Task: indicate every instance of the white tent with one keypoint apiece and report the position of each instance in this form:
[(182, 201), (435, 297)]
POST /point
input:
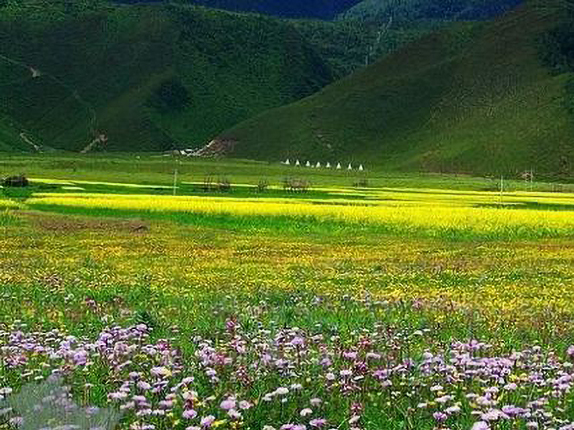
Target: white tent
[(318, 165), (350, 167), (297, 163), (288, 162), (308, 164), (361, 168), (339, 166), (328, 165)]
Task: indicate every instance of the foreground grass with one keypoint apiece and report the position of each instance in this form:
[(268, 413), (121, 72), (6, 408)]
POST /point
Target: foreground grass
[(246, 314)]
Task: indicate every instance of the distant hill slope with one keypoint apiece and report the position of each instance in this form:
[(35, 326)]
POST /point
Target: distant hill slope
[(322, 9), (409, 10), (490, 97), (82, 75)]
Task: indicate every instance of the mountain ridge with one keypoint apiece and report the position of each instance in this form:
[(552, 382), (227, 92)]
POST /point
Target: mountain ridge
[(146, 77), (477, 99)]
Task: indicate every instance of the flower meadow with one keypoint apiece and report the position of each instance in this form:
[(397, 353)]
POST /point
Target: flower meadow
[(268, 377), (344, 308)]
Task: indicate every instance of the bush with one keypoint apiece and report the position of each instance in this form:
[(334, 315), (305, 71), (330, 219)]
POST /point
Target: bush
[(296, 185), (16, 182)]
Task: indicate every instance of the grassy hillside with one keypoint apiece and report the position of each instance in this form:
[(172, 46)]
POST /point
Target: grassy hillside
[(481, 98), (147, 77), (323, 9), (348, 45), (409, 10)]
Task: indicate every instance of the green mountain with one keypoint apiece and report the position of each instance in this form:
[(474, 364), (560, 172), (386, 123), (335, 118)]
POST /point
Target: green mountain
[(489, 97), (318, 9), (414, 10), (85, 75)]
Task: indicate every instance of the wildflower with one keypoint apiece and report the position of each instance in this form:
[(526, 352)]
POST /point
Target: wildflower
[(245, 405), (330, 376), (440, 416), (318, 422), (162, 372), (315, 402), (298, 341), (453, 410), (305, 412), (480, 425), (234, 415), (354, 419), (228, 404), (142, 385), (189, 414), (207, 421)]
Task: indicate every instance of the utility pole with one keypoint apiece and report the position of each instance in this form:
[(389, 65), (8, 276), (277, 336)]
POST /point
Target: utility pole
[(502, 189), (175, 173)]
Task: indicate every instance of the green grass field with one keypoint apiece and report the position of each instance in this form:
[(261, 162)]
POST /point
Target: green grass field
[(415, 302)]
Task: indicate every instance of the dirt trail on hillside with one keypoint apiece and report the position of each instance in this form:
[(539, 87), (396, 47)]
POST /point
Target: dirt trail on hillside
[(37, 73), (29, 142)]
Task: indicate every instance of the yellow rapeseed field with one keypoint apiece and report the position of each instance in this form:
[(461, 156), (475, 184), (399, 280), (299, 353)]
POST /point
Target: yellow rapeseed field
[(427, 214)]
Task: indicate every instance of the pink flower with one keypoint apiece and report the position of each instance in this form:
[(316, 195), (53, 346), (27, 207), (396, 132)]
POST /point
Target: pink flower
[(228, 404), (189, 414), (142, 385), (318, 422), (207, 421)]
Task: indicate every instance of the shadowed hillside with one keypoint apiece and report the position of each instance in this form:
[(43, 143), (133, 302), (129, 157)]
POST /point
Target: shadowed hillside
[(84, 75), (480, 98), (323, 9), (409, 10)]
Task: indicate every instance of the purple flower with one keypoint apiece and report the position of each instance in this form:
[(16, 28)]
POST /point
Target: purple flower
[(228, 404), (318, 422), (440, 416), (189, 414), (207, 421), (298, 341), (142, 385)]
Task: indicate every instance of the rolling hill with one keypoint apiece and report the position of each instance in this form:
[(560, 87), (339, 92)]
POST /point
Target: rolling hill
[(416, 10), (318, 9), (90, 76), (488, 98)]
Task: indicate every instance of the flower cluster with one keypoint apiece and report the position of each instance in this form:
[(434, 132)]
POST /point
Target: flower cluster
[(294, 379)]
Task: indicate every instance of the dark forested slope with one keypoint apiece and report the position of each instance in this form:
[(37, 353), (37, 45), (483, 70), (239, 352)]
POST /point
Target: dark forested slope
[(146, 77)]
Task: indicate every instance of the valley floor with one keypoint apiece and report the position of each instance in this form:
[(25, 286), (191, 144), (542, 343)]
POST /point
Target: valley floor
[(408, 302)]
